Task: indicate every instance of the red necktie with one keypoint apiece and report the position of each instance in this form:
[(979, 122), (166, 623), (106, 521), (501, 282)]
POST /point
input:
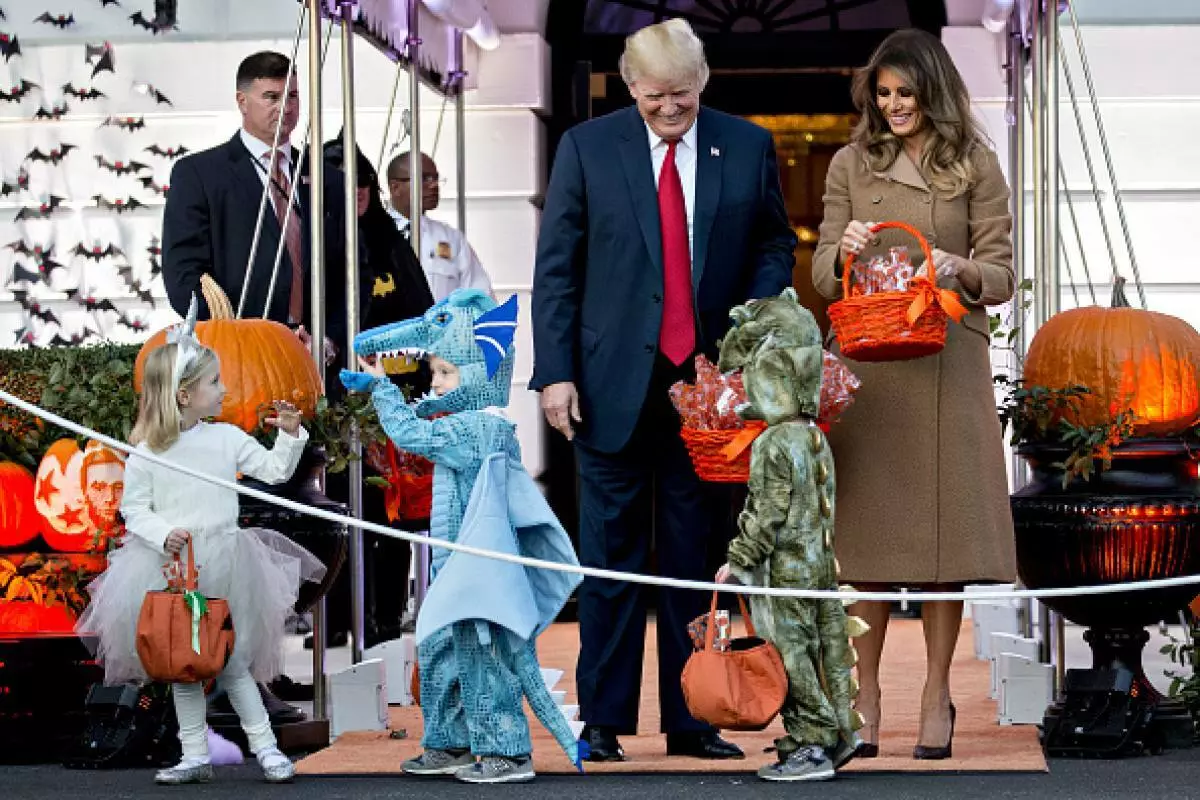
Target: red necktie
[(677, 338), (281, 188)]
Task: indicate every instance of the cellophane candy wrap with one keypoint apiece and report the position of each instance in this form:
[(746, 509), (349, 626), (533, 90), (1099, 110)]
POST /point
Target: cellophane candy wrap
[(711, 403), (884, 273)]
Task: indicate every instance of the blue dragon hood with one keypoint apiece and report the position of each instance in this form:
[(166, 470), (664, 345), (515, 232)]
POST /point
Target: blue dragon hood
[(468, 329)]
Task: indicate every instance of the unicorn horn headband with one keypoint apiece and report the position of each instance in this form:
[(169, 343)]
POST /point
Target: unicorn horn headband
[(187, 347)]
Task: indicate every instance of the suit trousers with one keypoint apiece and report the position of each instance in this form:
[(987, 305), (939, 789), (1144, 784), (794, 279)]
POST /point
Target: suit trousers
[(645, 495)]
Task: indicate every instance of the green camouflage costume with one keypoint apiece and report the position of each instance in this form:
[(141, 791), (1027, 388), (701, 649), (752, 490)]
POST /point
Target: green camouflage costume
[(785, 535)]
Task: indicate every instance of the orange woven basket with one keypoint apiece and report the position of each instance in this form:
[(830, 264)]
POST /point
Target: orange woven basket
[(706, 449), (877, 327)]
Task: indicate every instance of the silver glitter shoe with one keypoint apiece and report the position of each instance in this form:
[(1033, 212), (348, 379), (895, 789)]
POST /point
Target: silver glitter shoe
[(497, 769), (185, 772), (806, 764), (276, 767), (438, 762)]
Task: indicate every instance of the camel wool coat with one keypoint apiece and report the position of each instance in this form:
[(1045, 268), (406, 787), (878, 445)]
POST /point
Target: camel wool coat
[(922, 490)]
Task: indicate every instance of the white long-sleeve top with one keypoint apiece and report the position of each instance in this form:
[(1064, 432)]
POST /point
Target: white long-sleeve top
[(159, 499)]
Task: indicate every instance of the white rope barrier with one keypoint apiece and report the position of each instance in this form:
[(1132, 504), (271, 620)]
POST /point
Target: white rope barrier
[(593, 572)]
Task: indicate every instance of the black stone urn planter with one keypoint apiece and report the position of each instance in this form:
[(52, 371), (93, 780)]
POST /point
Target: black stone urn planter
[(328, 541), (1138, 520)]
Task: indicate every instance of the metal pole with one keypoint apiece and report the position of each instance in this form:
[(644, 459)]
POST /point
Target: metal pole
[(1050, 267), (262, 203), (1112, 173), (1016, 173), (416, 181), (350, 168), (387, 123), (460, 132), (1038, 126), (316, 172)]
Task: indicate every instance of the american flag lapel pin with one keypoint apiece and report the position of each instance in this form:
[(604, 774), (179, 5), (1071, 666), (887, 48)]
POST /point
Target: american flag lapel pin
[(714, 151)]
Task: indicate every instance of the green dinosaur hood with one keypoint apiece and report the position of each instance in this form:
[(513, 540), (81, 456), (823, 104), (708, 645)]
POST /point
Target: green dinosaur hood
[(776, 344)]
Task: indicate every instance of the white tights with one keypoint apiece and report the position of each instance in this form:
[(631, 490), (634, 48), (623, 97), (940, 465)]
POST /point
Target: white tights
[(191, 708)]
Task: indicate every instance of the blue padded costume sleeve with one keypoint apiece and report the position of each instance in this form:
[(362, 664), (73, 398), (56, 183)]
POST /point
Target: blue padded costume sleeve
[(442, 441)]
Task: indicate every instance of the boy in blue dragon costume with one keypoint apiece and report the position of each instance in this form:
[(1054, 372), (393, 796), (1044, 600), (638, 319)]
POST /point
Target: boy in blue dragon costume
[(477, 628)]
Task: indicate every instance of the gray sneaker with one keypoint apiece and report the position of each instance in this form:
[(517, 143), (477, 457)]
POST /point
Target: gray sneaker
[(438, 762), (185, 772), (497, 769), (806, 764)]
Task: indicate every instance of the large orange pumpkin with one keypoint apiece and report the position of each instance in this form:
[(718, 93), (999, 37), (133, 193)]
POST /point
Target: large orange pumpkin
[(1129, 359), (19, 520), (261, 361), (59, 499)]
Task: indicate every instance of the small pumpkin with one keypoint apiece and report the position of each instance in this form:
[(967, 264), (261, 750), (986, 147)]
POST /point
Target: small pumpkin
[(19, 520), (1129, 360), (261, 361)]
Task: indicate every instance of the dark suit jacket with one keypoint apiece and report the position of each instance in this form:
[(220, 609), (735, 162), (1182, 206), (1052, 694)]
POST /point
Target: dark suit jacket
[(598, 282), (208, 226)]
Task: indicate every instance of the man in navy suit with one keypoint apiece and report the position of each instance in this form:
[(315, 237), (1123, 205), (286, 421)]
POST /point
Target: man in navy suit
[(658, 219), (209, 219)]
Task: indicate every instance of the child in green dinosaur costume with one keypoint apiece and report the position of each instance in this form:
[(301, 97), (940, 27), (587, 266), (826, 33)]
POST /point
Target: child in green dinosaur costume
[(785, 535)]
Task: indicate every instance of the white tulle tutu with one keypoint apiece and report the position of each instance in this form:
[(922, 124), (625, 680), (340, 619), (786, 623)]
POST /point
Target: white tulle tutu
[(257, 571)]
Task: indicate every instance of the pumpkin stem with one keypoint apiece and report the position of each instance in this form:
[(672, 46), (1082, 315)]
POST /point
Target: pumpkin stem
[(219, 306), (1118, 293)]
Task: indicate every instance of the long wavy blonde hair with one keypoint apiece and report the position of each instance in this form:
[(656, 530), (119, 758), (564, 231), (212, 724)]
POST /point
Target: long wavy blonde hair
[(953, 135), (159, 416)]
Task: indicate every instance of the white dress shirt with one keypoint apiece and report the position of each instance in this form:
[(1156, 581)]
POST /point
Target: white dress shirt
[(260, 151), (685, 162), (447, 259)]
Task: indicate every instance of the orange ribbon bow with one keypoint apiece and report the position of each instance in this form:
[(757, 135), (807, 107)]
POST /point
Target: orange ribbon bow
[(930, 294)]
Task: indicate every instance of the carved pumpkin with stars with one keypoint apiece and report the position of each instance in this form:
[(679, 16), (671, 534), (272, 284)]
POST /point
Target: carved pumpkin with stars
[(58, 496)]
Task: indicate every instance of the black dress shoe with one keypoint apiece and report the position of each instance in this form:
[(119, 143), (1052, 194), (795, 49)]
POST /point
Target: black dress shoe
[(702, 745), (601, 744), (924, 753)]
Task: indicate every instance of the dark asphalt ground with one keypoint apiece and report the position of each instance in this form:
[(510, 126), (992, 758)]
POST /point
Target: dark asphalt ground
[(1172, 776)]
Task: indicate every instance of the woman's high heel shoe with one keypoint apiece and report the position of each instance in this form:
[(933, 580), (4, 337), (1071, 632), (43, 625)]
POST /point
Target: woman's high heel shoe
[(923, 753), (868, 749)]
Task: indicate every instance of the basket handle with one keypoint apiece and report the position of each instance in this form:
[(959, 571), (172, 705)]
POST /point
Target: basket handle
[(879, 226), (711, 632), (191, 578)]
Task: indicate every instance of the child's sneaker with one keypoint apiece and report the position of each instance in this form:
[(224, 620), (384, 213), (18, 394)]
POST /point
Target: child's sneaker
[(438, 762), (497, 769), (276, 767), (806, 764), (189, 770)]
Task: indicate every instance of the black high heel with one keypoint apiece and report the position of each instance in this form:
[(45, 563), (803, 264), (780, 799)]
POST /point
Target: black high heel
[(923, 753)]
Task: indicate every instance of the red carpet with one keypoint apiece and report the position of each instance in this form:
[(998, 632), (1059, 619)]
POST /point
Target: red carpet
[(980, 745)]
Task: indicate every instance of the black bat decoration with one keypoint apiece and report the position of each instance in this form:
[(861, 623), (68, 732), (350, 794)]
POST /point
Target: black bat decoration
[(143, 294), (54, 112), (55, 156), (36, 309), (120, 205), (133, 323), (9, 46), (126, 123), (155, 267), (105, 60), (40, 211), (120, 167), (25, 335), (82, 94), (7, 188), (97, 253), (139, 21), (62, 21), (107, 3), (60, 341), (18, 92), (38, 253), (150, 91), (155, 248), (148, 182), (22, 275), (92, 304), (167, 152)]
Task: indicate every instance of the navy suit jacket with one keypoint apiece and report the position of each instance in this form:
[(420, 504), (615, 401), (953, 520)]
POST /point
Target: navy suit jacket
[(598, 281), (208, 225)]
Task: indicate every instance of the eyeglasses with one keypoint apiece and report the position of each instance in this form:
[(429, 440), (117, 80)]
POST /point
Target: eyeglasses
[(428, 180)]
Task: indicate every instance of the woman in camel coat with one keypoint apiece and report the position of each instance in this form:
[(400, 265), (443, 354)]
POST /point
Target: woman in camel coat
[(922, 491)]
